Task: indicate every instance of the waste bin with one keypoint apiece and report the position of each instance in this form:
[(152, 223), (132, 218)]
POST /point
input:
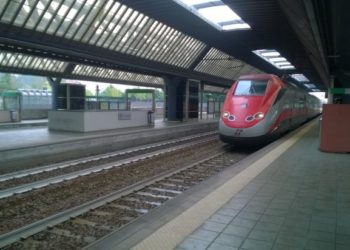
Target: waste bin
[(13, 116), (150, 117)]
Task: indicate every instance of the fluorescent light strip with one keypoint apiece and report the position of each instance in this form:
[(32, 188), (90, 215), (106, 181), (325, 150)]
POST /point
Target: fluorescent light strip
[(282, 63), (277, 59), (286, 67), (273, 57), (216, 13), (299, 77), (310, 86)]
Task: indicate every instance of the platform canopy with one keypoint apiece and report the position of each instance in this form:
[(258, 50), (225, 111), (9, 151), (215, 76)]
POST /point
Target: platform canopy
[(105, 40)]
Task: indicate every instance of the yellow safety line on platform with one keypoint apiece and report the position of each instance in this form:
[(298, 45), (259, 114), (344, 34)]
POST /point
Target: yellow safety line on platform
[(174, 232)]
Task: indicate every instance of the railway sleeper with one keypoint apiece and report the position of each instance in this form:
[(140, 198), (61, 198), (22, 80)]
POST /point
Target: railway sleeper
[(165, 190), (160, 192)]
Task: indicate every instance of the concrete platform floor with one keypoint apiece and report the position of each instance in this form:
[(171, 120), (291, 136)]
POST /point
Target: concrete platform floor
[(35, 132), (288, 195), (24, 147)]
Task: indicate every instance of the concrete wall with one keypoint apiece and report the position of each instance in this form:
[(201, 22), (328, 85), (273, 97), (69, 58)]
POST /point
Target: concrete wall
[(335, 133), (34, 114), (88, 121), (5, 116), (66, 120)]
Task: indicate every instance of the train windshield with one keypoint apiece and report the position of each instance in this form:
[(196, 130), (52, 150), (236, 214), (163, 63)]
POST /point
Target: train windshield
[(251, 87)]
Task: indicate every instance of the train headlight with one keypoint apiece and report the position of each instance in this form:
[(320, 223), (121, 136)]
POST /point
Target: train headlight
[(259, 116), (225, 114)]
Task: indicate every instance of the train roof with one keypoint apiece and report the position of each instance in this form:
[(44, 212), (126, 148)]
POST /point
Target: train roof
[(269, 76), (257, 76)]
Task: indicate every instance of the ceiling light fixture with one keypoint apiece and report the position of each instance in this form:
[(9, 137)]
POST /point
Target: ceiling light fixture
[(273, 57), (216, 13), (310, 86), (300, 77)]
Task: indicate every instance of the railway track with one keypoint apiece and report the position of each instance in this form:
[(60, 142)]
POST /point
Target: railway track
[(80, 225), (27, 180)]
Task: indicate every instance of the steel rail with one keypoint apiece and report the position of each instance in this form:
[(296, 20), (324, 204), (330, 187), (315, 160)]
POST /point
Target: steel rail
[(62, 165), (70, 176), (53, 220)]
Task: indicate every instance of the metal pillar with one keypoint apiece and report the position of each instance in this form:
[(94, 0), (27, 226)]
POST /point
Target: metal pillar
[(201, 100), (174, 98), (54, 83), (330, 95)]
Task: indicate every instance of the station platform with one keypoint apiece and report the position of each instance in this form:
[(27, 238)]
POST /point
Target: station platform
[(288, 195), (24, 124), (27, 145)]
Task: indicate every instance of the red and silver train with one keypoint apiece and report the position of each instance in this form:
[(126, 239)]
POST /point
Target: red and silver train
[(261, 107)]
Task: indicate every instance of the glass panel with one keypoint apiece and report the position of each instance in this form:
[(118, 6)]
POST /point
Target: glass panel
[(172, 52), (19, 61), (10, 11), (140, 32), (35, 10), (172, 40), (2, 6), (154, 44), (23, 13), (72, 13), (186, 50), (3, 59), (47, 17), (97, 21), (161, 42), (180, 49), (60, 17), (7, 59), (24, 61), (114, 26), (166, 44), (52, 66), (118, 31), (32, 62), (56, 66), (125, 31), (11, 61), (196, 50), (132, 33), (147, 39), (79, 18), (108, 25), (29, 62), (82, 24), (251, 87)]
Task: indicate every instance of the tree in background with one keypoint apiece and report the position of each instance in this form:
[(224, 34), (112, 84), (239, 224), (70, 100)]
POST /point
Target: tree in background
[(159, 95), (6, 82), (112, 92), (14, 82), (88, 93)]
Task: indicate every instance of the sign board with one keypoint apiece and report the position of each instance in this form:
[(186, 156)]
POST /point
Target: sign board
[(124, 116)]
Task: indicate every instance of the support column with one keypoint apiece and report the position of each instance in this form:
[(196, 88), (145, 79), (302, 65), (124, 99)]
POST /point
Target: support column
[(175, 88), (201, 89), (330, 94), (54, 86), (192, 99)]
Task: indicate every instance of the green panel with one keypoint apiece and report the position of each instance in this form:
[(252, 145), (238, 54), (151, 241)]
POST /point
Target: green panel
[(339, 91), (9, 93), (139, 91)]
